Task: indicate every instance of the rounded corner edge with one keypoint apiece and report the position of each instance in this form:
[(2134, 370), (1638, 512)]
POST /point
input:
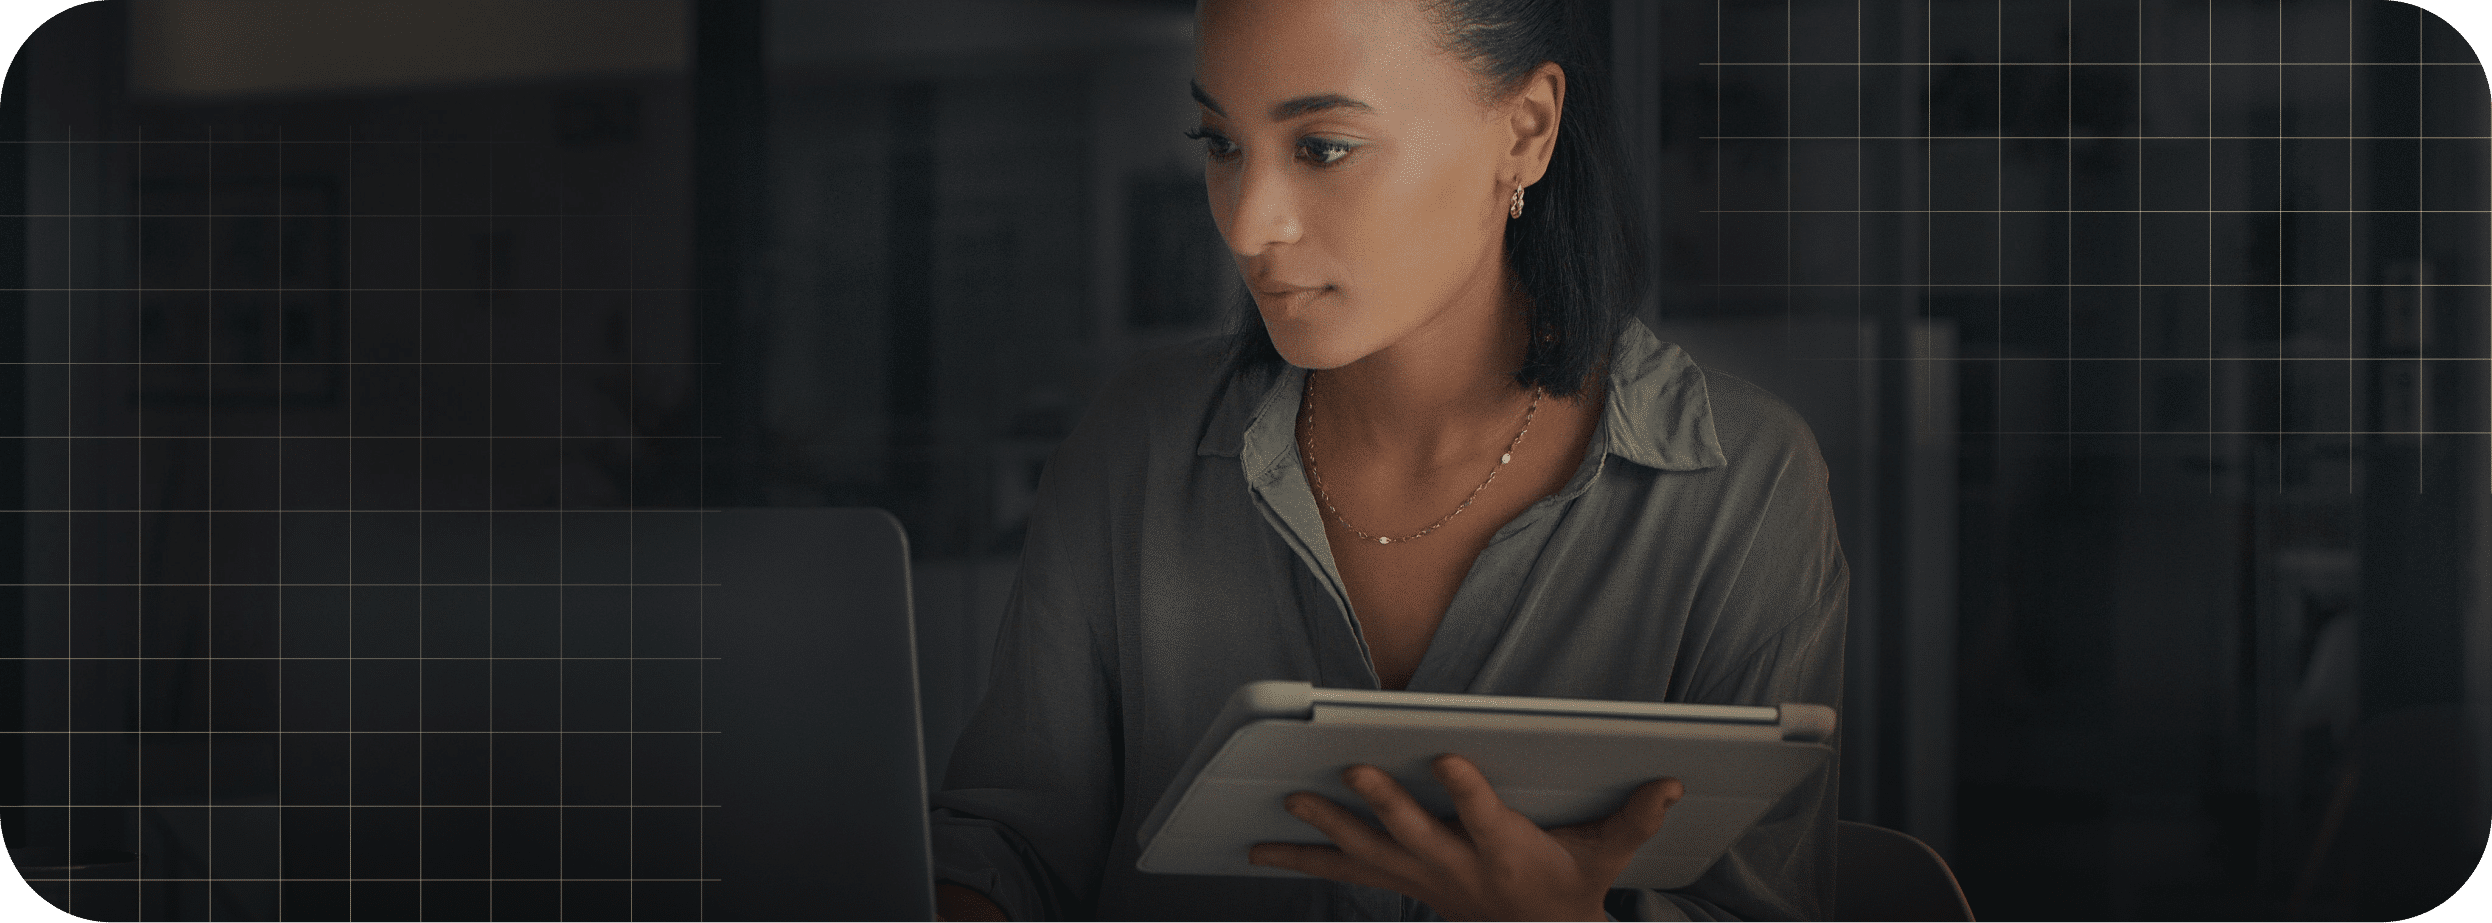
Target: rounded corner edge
[(1805, 722), (1276, 697)]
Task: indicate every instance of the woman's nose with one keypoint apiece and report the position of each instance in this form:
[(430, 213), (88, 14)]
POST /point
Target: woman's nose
[(1263, 210)]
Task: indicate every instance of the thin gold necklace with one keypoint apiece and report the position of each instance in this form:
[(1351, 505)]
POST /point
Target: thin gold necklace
[(1306, 427)]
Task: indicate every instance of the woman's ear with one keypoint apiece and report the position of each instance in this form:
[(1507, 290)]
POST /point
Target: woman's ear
[(1532, 114)]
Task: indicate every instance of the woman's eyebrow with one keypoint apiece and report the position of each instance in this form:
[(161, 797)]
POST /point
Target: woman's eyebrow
[(1287, 109)]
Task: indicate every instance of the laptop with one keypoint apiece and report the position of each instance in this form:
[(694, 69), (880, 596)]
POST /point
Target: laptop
[(816, 768)]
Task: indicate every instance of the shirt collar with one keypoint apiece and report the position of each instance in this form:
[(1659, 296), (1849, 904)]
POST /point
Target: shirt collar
[(1657, 414)]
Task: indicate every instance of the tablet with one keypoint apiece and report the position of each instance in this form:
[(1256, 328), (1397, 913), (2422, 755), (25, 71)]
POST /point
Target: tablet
[(1558, 761)]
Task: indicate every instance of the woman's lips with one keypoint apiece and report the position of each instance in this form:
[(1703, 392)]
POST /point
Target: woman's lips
[(1292, 300)]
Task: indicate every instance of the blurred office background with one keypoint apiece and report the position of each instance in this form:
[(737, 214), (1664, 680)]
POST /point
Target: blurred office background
[(2147, 342)]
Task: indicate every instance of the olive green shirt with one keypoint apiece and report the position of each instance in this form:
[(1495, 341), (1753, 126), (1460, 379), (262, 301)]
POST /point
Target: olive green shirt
[(1176, 553)]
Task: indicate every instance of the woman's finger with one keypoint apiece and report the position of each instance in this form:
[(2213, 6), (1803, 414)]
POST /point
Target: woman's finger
[(1485, 816), (1635, 822), (1348, 831), (1321, 862), (1418, 832)]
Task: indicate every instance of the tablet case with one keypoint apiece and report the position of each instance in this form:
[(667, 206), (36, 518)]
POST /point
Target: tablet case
[(1558, 761)]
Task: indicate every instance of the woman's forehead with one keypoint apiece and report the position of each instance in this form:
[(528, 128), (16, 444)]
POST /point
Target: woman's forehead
[(1258, 56)]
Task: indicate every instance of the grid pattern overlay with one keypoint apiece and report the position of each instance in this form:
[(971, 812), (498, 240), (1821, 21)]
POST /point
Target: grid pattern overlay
[(2206, 282), (363, 453), (2193, 231), (363, 577)]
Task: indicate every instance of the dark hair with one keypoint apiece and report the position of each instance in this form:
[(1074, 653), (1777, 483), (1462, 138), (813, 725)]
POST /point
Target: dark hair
[(1577, 251)]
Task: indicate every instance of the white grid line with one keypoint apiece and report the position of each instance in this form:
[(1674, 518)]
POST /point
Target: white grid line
[(213, 142), (402, 807), (631, 557), (2195, 359), (281, 482), (139, 716), (211, 542), (492, 677), (562, 572), (631, 602), (342, 511), (2136, 64), (631, 690), (1989, 211), (107, 583), (2228, 432), (378, 288), (317, 584), (1972, 137), (348, 214), (470, 733), (350, 881), (328, 660), (282, 363), (265, 436), (2008, 285), (423, 777), (69, 537), (350, 530)]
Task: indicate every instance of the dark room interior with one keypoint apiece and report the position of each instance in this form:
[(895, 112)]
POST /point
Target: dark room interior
[(388, 377)]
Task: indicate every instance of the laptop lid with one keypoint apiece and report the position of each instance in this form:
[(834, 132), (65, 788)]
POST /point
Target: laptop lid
[(816, 767)]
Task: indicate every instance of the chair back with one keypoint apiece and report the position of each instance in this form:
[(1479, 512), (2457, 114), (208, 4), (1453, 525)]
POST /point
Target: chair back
[(1883, 874)]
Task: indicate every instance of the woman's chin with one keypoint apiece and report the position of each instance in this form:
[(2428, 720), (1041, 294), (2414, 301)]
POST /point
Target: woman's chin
[(1317, 333), (1312, 352)]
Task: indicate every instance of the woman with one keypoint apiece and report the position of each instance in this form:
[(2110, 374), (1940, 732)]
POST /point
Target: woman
[(1441, 458)]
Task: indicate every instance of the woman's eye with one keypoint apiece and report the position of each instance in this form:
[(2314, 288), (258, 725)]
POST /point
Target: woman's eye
[(1323, 153), (1214, 146), (1318, 152)]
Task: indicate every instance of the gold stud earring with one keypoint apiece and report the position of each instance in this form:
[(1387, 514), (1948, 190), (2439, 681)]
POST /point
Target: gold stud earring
[(1514, 209)]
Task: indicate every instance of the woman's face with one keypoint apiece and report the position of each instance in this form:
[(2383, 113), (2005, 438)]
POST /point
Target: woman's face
[(1359, 181)]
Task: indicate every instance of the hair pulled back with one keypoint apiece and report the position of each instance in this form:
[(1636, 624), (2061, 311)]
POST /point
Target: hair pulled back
[(1577, 251)]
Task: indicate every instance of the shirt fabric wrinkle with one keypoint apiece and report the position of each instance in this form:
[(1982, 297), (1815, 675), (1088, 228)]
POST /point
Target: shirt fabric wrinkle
[(1176, 530)]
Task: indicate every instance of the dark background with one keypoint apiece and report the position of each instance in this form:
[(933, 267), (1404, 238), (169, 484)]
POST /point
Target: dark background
[(2147, 343)]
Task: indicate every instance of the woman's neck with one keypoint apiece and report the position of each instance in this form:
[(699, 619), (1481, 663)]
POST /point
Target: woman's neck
[(1432, 397)]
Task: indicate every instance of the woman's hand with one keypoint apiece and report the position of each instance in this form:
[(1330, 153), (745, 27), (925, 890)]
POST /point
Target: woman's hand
[(960, 902), (1490, 863)]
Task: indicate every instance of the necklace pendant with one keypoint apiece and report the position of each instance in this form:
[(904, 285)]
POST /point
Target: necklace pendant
[(1381, 540), (1502, 459)]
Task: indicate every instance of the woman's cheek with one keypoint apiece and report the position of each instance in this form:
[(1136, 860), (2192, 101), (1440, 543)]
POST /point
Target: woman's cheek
[(1431, 243), (1390, 230)]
